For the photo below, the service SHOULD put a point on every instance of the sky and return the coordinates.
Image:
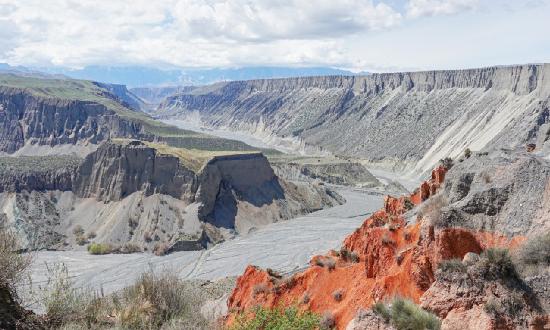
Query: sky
(357, 35)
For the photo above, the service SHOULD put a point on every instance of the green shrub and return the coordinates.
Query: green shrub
(277, 319)
(406, 315)
(381, 309)
(100, 248)
(496, 264)
(452, 266)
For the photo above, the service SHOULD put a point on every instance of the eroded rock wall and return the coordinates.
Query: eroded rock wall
(26, 118)
(401, 119)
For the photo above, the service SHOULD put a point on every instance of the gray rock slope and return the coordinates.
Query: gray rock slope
(129, 192)
(507, 192)
(406, 119)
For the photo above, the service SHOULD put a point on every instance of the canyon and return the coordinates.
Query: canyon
(309, 189)
(432, 114)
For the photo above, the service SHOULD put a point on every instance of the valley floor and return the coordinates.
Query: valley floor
(285, 246)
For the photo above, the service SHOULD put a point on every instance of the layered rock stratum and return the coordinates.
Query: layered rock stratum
(405, 120)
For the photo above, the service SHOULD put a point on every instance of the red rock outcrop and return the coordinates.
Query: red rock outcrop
(383, 258)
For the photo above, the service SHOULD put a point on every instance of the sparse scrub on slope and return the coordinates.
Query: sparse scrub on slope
(152, 302)
(534, 255)
(12, 263)
(406, 315)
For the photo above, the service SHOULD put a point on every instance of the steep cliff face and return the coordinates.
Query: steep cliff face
(397, 252)
(37, 173)
(130, 191)
(117, 170)
(505, 191)
(128, 98)
(430, 115)
(26, 118)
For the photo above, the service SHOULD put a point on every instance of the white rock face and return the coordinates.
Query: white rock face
(409, 119)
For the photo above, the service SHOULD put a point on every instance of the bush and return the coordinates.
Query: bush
(338, 295)
(81, 240)
(273, 273)
(78, 230)
(452, 266)
(100, 248)
(534, 255)
(330, 263)
(404, 314)
(467, 153)
(160, 249)
(496, 264)
(277, 318)
(152, 301)
(63, 303)
(446, 162)
(130, 248)
(383, 311)
(12, 263)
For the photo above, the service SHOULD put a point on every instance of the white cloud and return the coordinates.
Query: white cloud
(417, 8)
(358, 34)
(186, 32)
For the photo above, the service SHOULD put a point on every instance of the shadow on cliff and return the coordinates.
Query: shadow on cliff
(226, 206)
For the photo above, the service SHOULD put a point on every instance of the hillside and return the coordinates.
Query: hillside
(51, 116)
(431, 115)
(459, 246)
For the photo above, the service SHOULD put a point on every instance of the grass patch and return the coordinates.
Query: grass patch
(100, 248)
(277, 319)
(194, 159)
(406, 315)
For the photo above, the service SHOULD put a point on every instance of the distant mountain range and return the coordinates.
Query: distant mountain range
(141, 76)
